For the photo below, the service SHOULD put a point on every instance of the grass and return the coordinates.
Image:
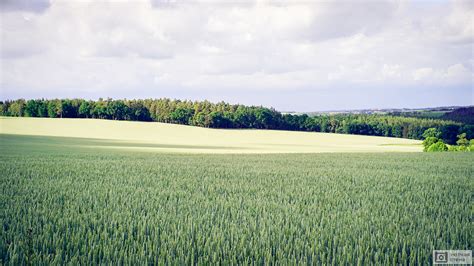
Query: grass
(142, 136)
(84, 191)
(65, 201)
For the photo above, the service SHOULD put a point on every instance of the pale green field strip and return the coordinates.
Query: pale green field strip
(161, 137)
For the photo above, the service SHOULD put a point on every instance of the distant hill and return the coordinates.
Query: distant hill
(409, 112)
(461, 114)
(464, 115)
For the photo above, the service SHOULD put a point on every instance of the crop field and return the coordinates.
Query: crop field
(64, 202)
(160, 137)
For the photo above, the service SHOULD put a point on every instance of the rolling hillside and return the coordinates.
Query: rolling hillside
(148, 136)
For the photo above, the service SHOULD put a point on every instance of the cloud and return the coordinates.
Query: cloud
(155, 48)
(451, 75)
(422, 73)
(343, 19)
(36, 6)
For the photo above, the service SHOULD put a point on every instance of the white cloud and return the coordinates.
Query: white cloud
(422, 73)
(450, 75)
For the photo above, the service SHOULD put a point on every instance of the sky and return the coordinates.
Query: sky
(291, 55)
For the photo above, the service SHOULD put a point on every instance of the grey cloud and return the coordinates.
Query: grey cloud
(176, 3)
(163, 3)
(36, 6)
(18, 52)
(21, 37)
(131, 42)
(129, 50)
(341, 19)
(234, 48)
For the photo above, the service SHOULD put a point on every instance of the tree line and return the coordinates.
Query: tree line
(224, 115)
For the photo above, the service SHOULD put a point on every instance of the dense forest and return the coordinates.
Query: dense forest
(463, 115)
(224, 115)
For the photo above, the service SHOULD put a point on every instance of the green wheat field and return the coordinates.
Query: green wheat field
(76, 201)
